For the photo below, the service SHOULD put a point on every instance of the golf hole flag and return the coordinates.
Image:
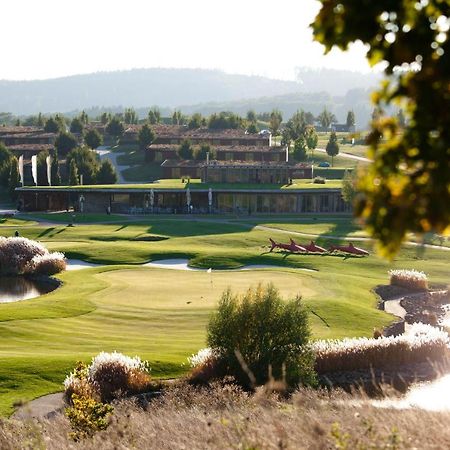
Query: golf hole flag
(48, 160)
(34, 168)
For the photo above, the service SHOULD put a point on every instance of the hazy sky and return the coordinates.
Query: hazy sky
(51, 38)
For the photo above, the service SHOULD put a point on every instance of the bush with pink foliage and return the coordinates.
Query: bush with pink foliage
(22, 256)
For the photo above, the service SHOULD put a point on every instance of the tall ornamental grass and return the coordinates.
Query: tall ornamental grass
(410, 279)
(22, 256)
(258, 337)
(419, 344)
(109, 376)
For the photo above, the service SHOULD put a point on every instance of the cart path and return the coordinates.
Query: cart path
(347, 155)
(44, 407)
(106, 153)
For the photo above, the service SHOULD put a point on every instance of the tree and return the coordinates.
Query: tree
(178, 118)
(154, 116)
(93, 139)
(54, 169)
(130, 116)
(195, 121)
(309, 118)
(311, 138)
(87, 163)
(252, 128)
(185, 150)
(270, 334)
(349, 186)
(107, 173)
(40, 120)
(296, 125)
(76, 126)
(145, 137)
(201, 152)
(73, 174)
(300, 148)
(251, 116)
(115, 127)
(377, 113)
(52, 126)
(225, 120)
(5, 165)
(332, 146)
(65, 142)
(105, 118)
(326, 118)
(351, 119)
(84, 117)
(406, 187)
(275, 121)
(401, 119)
(42, 168)
(14, 178)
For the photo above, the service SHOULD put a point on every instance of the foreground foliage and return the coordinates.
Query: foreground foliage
(406, 188)
(225, 417)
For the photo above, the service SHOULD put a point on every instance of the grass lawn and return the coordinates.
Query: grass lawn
(197, 184)
(142, 311)
(143, 172)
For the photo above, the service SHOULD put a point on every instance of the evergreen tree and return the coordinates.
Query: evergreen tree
(42, 168)
(14, 178)
(252, 128)
(87, 163)
(93, 138)
(73, 173)
(52, 126)
(300, 148)
(115, 128)
(351, 119)
(54, 169)
(5, 165)
(275, 121)
(154, 116)
(185, 150)
(332, 146)
(201, 152)
(251, 116)
(130, 116)
(65, 142)
(107, 173)
(40, 120)
(105, 118)
(326, 118)
(311, 138)
(349, 186)
(146, 136)
(76, 126)
(195, 121)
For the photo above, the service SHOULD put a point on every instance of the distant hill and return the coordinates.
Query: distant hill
(170, 88)
(137, 88)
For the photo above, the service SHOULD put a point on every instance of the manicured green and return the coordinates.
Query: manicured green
(197, 184)
(160, 314)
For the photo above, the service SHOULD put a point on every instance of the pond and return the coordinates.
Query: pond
(14, 289)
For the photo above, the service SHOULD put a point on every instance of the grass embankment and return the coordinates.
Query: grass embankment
(161, 314)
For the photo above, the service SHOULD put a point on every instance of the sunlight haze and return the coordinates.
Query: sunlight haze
(249, 37)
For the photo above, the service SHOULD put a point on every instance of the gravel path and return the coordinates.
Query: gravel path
(347, 155)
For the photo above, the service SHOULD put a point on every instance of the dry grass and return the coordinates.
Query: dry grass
(420, 343)
(224, 417)
(410, 279)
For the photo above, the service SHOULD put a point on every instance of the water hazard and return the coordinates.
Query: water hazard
(14, 289)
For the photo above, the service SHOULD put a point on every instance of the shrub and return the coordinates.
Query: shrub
(49, 264)
(261, 331)
(109, 376)
(21, 256)
(319, 180)
(410, 279)
(87, 416)
(205, 366)
(419, 344)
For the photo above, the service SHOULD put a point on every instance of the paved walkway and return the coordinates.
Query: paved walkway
(41, 408)
(106, 153)
(347, 155)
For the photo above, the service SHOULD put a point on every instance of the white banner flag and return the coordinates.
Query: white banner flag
(48, 160)
(21, 169)
(34, 168)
